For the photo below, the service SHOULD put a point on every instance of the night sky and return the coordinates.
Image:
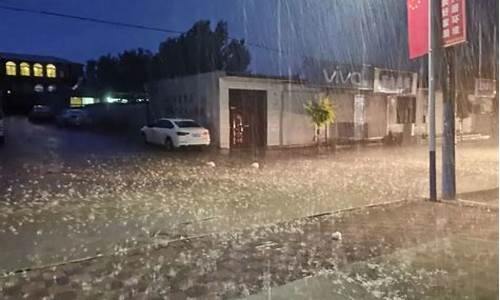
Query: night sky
(331, 29)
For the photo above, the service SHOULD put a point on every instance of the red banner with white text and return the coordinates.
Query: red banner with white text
(454, 25)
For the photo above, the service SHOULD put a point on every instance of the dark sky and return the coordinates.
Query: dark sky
(343, 30)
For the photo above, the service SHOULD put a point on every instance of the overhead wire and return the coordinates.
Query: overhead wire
(123, 24)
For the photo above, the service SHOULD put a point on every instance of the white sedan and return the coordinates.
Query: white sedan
(174, 133)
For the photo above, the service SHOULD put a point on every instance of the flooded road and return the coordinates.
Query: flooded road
(67, 200)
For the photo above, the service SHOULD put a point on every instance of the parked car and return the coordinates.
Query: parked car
(2, 129)
(40, 113)
(73, 117)
(174, 133)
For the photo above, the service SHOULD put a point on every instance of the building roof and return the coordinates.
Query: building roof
(33, 58)
(292, 78)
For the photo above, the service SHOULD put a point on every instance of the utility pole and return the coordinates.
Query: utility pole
(480, 50)
(448, 145)
(432, 99)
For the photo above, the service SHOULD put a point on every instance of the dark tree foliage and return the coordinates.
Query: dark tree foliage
(199, 50)
(127, 72)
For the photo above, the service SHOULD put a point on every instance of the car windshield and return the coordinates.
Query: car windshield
(187, 124)
(249, 149)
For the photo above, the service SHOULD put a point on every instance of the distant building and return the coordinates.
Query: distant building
(26, 80)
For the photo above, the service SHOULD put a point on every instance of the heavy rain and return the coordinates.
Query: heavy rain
(250, 149)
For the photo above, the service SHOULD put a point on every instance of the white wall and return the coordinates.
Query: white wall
(297, 126)
(194, 97)
(287, 121)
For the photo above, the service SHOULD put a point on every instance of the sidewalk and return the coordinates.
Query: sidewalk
(235, 265)
(450, 268)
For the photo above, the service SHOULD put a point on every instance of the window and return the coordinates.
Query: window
(51, 71)
(10, 68)
(75, 102)
(25, 69)
(187, 124)
(406, 110)
(165, 124)
(37, 70)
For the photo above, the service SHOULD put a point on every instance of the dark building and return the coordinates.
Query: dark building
(26, 80)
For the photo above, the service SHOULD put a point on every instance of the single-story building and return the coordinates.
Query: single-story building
(250, 110)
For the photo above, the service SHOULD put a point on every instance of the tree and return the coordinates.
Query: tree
(236, 57)
(126, 72)
(134, 70)
(201, 50)
(91, 72)
(107, 72)
(198, 50)
(322, 113)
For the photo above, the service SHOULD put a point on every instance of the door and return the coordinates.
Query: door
(158, 131)
(406, 114)
(359, 117)
(247, 118)
(162, 130)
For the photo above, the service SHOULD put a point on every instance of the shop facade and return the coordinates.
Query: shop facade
(246, 110)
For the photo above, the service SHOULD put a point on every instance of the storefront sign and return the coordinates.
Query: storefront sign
(485, 88)
(395, 82)
(454, 22)
(338, 75)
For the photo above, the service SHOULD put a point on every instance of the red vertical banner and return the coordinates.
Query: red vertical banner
(418, 27)
(454, 22)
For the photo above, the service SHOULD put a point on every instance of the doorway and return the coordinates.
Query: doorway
(247, 118)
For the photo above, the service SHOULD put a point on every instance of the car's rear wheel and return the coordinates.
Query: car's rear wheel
(169, 146)
(145, 138)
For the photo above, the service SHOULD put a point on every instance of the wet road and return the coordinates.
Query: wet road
(28, 142)
(68, 194)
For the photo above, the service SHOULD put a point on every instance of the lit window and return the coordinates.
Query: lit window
(51, 71)
(10, 68)
(87, 100)
(25, 69)
(75, 102)
(37, 70)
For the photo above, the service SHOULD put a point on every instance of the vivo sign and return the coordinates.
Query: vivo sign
(335, 75)
(353, 79)
(357, 77)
